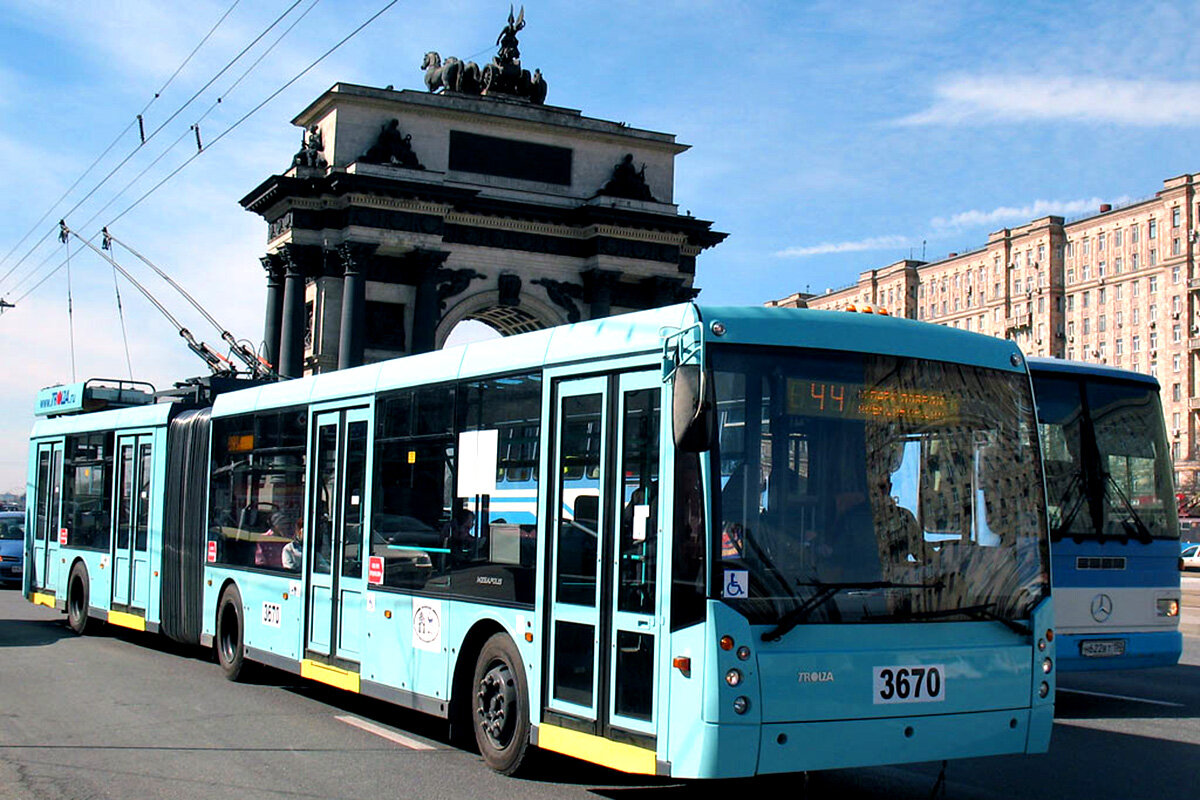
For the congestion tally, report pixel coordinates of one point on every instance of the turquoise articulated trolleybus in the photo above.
(1112, 518)
(696, 541)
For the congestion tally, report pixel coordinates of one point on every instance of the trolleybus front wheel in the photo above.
(77, 599)
(500, 705)
(231, 652)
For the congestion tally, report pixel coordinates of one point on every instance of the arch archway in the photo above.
(485, 307)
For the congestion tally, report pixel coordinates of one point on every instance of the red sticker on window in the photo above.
(375, 570)
(212, 552)
(62, 535)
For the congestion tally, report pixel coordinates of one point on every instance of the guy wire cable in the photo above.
(120, 311)
(155, 132)
(136, 121)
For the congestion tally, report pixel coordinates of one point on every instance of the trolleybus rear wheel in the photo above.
(77, 599)
(231, 652)
(500, 706)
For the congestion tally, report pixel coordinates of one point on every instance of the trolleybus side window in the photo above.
(257, 487)
(87, 490)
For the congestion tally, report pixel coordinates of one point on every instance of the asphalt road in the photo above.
(126, 715)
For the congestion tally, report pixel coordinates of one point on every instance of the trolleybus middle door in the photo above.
(130, 547)
(335, 532)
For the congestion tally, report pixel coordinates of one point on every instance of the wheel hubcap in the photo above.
(496, 701)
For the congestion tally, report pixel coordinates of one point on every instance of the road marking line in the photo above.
(1123, 697)
(379, 730)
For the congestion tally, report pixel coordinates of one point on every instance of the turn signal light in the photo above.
(1168, 607)
(1049, 634)
(726, 642)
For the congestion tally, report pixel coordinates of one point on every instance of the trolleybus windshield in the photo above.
(1106, 459)
(862, 488)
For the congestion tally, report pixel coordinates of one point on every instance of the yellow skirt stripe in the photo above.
(597, 750)
(341, 678)
(131, 621)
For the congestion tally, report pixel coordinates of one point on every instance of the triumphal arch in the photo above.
(406, 212)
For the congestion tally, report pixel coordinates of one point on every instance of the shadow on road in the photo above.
(31, 632)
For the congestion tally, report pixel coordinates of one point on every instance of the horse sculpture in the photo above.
(452, 75)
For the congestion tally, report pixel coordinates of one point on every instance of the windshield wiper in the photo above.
(984, 612)
(825, 592)
(1143, 532)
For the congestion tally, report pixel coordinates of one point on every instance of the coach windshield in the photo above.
(855, 487)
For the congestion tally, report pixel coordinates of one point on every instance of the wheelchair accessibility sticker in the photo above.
(736, 583)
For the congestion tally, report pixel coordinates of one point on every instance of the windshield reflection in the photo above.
(855, 488)
(1106, 459)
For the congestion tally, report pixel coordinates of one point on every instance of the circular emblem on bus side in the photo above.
(1102, 607)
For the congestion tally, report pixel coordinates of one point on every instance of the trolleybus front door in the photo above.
(130, 547)
(48, 520)
(334, 532)
(601, 659)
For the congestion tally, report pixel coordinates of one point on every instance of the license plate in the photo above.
(911, 683)
(18, 569)
(1102, 648)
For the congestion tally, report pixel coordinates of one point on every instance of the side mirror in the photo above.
(693, 410)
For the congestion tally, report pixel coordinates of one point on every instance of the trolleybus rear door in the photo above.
(335, 530)
(48, 521)
(601, 662)
(130, 547)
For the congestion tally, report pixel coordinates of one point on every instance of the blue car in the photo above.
(12, 546)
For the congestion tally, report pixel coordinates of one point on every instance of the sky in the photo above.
(826, 138)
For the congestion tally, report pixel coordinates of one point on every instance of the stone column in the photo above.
(274, 314)
(598, 291)
(354, 304)
(291, 347)
(427, 310)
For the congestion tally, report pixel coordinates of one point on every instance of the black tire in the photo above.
(231, 650)
(500, 705)
(78, 597)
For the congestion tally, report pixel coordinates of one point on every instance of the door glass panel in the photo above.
(574, 659)
(125, 500)
(56, 464)
(43, 496)
(324, 498)
(352, 512)
(579, 500)
(143, 501)
(639, 494)
(635, 675)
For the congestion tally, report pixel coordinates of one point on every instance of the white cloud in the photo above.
(870, 243)
(976, 218)
(983, 99)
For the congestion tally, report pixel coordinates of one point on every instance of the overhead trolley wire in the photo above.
(136, 121)
(224, 133)
(254, 110)
(153, 133)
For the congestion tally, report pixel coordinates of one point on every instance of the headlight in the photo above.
(1047, 665)
(741, 705)
(1168, 607)
(1043, 690)
(733, 677)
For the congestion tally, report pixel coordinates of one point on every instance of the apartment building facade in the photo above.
(1119, 287)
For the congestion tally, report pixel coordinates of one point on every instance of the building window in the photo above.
(1175, 363)
(1117, 265)
(1175, 249)
(1153, 312)
(1087, 296)
(1136, 344)
(1041, 305)
(1176, 332)
(1152, 229)
(1153, 282)
(1137, 289)
(1100, 270)
(1176, 392)
(1175, 304)
(1041, 254)
(1087, 246)
(1133, 261)
(1153, 340)
(1100, 243)
(1175, 217)
(1120, 346)
(1133, 234)
(1070, 302)
(1071, 275)
(1152, 260)
(1087, 325)
(1087, 272)
(1117, 319)
(1101, 324)
(1101, 295)
(1117, 237)
(1134, 319)
(1070, 353)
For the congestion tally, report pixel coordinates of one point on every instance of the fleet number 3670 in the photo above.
(916, 683)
